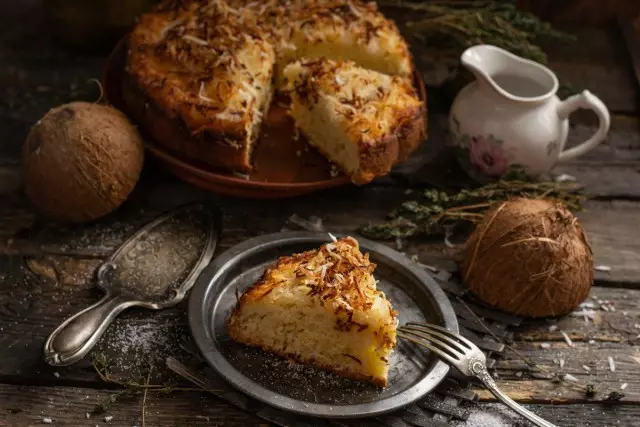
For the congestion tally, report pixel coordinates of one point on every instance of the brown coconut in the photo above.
(81, 161)
(530, 258)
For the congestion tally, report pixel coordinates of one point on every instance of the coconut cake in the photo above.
(321, 307)
(200, 74)
(363, 120)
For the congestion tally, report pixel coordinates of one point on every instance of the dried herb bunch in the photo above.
(449, 26)
(440, 212)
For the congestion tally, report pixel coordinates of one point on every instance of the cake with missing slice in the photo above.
(322, 308)
(362, 120)
(200, 74)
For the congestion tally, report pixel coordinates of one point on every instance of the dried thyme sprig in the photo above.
(449, 26)
(439, 212)
(131, 386)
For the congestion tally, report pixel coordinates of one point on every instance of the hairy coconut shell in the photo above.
(81, 161)
(530, 258)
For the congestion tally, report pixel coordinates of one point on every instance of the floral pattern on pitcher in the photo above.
(552, 148)
(485, 158)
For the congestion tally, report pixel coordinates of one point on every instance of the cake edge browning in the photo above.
(378, 159)
(172, 134)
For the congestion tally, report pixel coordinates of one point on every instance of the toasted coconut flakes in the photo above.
(353, 9)
(323, 273)
(565, 177)
(195, 40)
(339, 80)
(232, 10)
(201, 94)
(567, 339)
(570, 377)
(170, 26)
(241, 175)
(349, 107)
(225, 57)
(612, 364)
(250, 89)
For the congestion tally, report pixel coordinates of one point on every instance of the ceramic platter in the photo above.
(286, 165)
(305, 390)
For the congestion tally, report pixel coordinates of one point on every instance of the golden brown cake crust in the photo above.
(172, 133)
(378, 159)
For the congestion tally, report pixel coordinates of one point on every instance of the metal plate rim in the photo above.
(197, 316)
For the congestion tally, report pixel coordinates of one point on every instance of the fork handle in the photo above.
(480, 372)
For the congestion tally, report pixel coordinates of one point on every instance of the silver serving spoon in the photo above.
(153, 269)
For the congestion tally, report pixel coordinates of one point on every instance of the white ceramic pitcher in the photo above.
(509, 121)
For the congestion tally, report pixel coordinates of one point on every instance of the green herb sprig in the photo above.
(439, 212)
(450, 26)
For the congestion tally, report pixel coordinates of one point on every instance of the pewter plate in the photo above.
(413, 372)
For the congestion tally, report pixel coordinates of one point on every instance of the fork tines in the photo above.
(449, 346)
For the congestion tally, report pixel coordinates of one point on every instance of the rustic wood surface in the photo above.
(46, 269)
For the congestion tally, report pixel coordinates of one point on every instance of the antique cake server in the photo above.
(153, 269)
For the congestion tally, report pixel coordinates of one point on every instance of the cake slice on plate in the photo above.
(362, 120)
(321, 307)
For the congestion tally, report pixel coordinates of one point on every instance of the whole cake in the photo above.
(321, 307)
(200, 75)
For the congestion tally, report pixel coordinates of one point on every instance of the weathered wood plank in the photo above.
(576, 415)
(595, 323)
(67, 406)
(521, 383)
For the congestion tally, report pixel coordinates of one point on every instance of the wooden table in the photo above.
(46, 269)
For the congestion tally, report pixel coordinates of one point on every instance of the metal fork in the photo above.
(464, 356)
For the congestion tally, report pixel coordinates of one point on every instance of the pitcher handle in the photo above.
(585, 100)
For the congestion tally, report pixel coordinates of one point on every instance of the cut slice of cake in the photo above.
(362, 120)
(321, 307)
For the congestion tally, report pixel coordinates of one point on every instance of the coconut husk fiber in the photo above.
(81, 161)
(529, 257)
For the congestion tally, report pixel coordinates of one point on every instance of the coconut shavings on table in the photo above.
(491, 415)
(133, 345)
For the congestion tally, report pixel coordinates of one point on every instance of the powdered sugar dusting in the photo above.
(133, 345)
